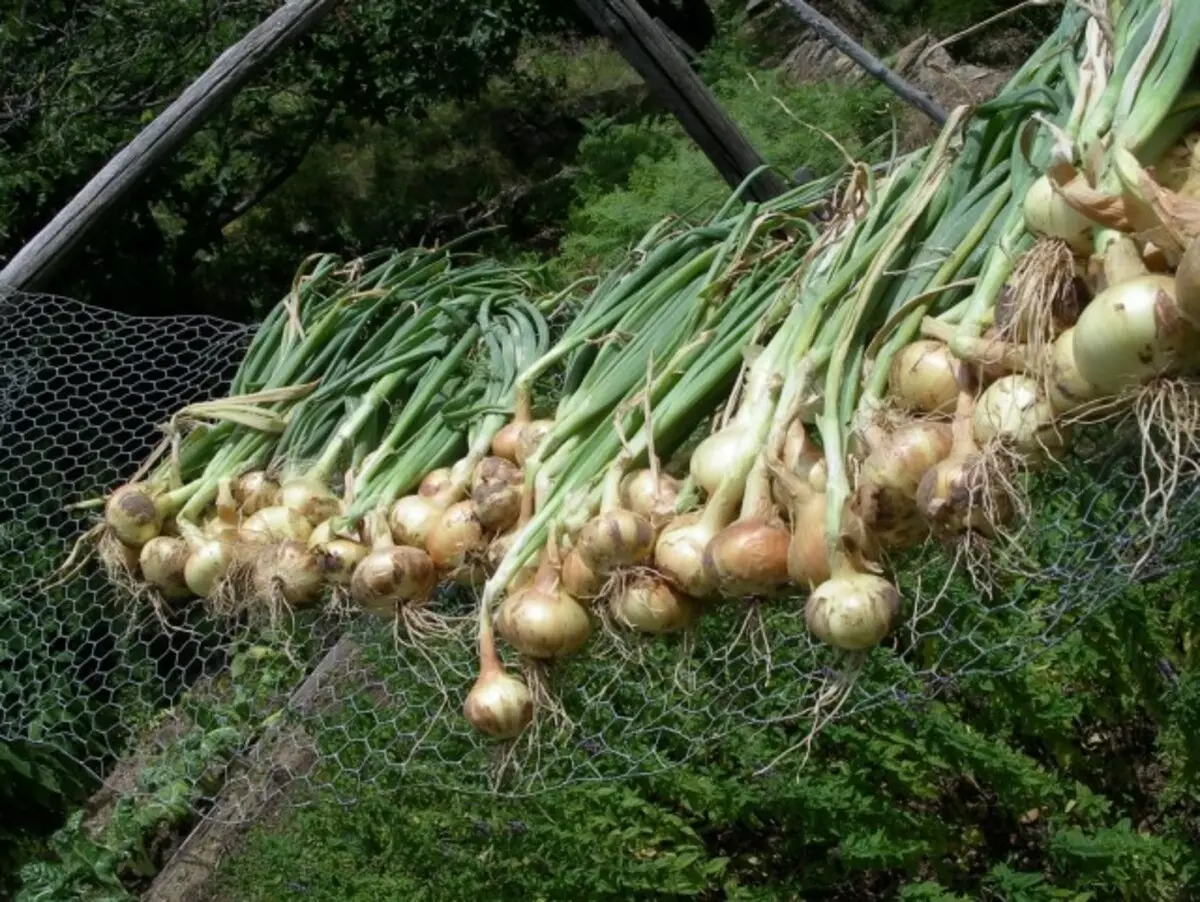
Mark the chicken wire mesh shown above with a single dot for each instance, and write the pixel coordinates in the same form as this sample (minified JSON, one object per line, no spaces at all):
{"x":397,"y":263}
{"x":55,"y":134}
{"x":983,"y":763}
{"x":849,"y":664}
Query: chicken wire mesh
{"x":221,"y":718}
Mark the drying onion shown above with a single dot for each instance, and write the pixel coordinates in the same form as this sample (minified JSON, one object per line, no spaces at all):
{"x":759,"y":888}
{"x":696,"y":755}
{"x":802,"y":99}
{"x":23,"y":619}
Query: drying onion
{"x":649,"y":604}
{"x":714,"y":457}
{"x":255,"y":490}
{"x":679,"y":554}
{"x":497,"y":503}
{"x":495,"y":469}
{"x":163,"y":561}
{"x":618,"y":538}
{"x":207,"y":565}
{"x":132,"y":515}
{"x":580,"y":580}
{"x":391,"y":575}
{"x":748,"y":557}
{"x":1014,"y":411}
{"x":886,"y":495}
{"x":1132,"y":332}
{"x":339,"y":559}
{"x":273,"y":523}
{"x":922,"y":377}
{"x":651,"y":498}
{"x":1047,"y":213}
{"x":531,"y":436}
{"x":1066,"y":388}
{"x":499,"y":705}
{"x":852,"y":611}
{"x":435,"y":482}
{"x":289,"y":570}
{"x":411,"y":518}
{"x":542,"y":620}
{"x":310,"y":498}
{"x":455,"y":536}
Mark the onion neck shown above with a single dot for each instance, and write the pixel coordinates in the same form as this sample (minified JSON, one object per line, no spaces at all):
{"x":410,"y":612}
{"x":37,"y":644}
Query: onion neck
{"x":963,"y":434}
{"x":377,"y":531}
{"x":1122,"y":261}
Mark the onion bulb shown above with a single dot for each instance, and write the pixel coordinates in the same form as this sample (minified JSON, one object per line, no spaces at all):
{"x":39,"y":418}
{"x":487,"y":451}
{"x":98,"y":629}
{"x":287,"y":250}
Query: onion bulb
{"x":958,"y":493}
{"x":1132,"y":332}
{"x":255,"y":490}
{"x":748,"y":557}
{"x":495,"y":469}
{"x":290,"y":569}
{"x":411,"y":518}
{"x":802,"y":457}
{"x":435,"y":482}
{"x":1047,"y":213}
{"x":1014,"y":411}
{"x":640,"y":494}
{"x":618,"y":538}
{"x":1067,"y":389}
{"x":163,"y":560}
{"x":339,"y":559}
{"x":542,"y":620}
{"x":580,"y":580}
{"x":679,"y":554}
{"x":852,"y":611}
{"x":649,"y":604}
{"x":531,"y":436}
{"x":133,"y":515}
{"x":207,"y":565}
{"x":392,"y":575}
{"x":273,"y":523}
{"x":886,"y":495}
{"x":310,"y":498}
{"x":455,"y":536}
{"x":922,"y":377}
{"x":497,"y":503}
{"x":714,"y":457}
{"x":498,"y":705}
{"x":808,"y":552}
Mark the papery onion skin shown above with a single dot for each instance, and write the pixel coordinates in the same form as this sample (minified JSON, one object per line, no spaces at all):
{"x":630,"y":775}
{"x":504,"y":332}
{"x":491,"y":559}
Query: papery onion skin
{"x":497,"y":504}
{"x":748,"y":557}
{"x":1014,"y":411}
{"x":618,"y":538}
{"x":1047,"y":213}
{"x":808,"y":551}
{"x":496,"y":469}
{"x":455,"y":536}
{"x":290,"y":569}
{"x":885,"y":497}
{"x":506,"y":439}
{"x":411,"y":518}
{"x":435,"y":482}
{"x":532,"y":434}
{"x":339,"y":559}
{"x":163,"y":560}
{"x":1067,"y":389}
{"x":679,"y":555}
{"x":388,"y":577}
{"x":959,"y":494}
{"x":580,"y":580}
{"x":922,"y":377}
{"x":650,"y":605}
{"x":853,"y":611}
{"x":1132,"y":332}
{"x":206,"y":566}
{"x":543,"y":623}
{"x":132,"y":515}
{"x":311,"y":499}
{"x":274,"y":523}
{"x":255,"y":490}
{"x":499,"y":705}
{"x":712,"y":459}
{"x":640,"y":494}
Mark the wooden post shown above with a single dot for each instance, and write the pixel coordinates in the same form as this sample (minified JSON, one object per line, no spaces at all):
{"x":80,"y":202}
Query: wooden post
{"x":38,"y":260}
{"x":904,"y":90}
{"x":680,"y":90}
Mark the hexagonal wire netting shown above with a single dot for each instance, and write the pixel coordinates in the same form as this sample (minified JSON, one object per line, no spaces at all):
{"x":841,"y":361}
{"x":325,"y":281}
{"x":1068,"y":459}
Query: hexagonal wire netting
{"x":344,"y":701}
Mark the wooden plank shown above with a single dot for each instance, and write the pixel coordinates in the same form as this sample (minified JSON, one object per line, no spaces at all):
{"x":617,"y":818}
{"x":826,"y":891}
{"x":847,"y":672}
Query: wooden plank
{"x":38,"y":260}
{"x":668,"y":75}
{"x":280,"y":757}
{"x":906,"y":91}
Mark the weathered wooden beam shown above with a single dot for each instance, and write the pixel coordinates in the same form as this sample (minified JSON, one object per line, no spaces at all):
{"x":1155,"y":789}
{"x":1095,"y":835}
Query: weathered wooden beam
{"x":668,"y":75}
{"x":906,"y":91}
{"x":38,"y":259}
